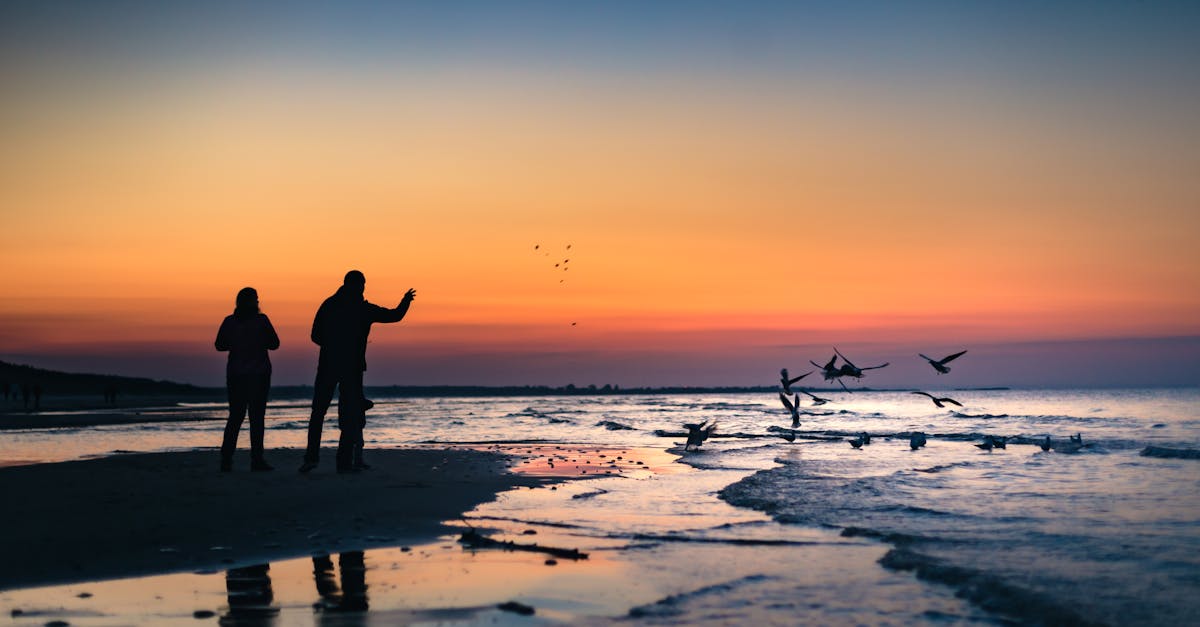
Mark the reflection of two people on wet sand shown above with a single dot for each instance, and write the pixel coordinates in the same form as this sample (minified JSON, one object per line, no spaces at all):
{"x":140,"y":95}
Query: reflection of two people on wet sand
{"x":251,"y":598}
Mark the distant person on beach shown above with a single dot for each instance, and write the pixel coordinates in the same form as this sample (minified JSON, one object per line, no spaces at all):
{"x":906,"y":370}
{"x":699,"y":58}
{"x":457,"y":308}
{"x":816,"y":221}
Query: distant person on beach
{"x":247,"y":334}
{"x":110,"y":394}
{"x":340,"y":328}
{"x":37,"y":397}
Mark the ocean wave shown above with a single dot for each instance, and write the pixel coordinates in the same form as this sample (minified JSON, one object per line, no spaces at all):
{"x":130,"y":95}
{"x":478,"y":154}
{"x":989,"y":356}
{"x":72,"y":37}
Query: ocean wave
{"x":673,"y":605}
{"x":614,"y":426}
{"x":985,"y":590}
{"x":746,"y":406}
{"x":939,"y":468}
{"x":291,"y":425}
{"x":528,"y":412}
{"x":1170,"y":453}
{"x":959,"y":414}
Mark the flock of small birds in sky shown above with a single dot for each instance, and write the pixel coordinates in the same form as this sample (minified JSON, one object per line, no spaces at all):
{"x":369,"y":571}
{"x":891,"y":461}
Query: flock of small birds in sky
{"x":562,"y":265}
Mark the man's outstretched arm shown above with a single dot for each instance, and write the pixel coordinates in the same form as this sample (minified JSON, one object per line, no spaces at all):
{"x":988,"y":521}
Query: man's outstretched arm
{"x":381,"y":314}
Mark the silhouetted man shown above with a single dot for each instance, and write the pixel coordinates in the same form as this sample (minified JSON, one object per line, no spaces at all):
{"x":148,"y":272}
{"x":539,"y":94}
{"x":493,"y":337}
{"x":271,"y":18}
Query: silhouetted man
{"x":340,"y":329}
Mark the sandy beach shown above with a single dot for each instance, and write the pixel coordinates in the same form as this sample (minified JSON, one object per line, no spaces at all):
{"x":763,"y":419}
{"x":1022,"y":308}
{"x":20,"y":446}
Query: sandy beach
{"x":162,"y":512}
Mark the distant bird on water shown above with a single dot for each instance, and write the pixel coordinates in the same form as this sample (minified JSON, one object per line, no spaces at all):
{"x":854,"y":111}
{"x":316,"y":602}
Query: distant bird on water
{"x":787,"y":382}
{"x":816,"y":400}
{"x":940,"y":364}
{"x":792,"y":406}
{"x":1074,"y":444}
{"x":856,"y":442}
{"x":940,"y":402}
{"x":790,"y":436}
{"x":992,"y":441}
{"x":698,"y":433}
{"x":916,"y":440}
{"x":1047,"y":444}
{"x":865,"y":437}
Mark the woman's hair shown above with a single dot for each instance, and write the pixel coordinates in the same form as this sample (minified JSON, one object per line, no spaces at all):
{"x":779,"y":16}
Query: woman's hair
{"x":247,"y":302}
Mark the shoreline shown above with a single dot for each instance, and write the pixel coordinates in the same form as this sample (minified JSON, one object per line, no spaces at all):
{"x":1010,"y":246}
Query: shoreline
{"x":155,"y":513}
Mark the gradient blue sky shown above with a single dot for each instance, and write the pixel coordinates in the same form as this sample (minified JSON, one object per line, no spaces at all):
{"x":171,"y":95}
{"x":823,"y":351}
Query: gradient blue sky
{"x":749,"y":184}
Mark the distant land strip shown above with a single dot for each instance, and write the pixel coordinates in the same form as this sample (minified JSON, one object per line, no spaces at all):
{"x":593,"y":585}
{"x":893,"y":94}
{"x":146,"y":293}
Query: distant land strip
{"x":59,"y":384}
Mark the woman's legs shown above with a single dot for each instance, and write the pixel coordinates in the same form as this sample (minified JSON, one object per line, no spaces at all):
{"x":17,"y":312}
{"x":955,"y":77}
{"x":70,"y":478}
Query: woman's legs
{"x":259,"y":387}
{"x":238,"y":401}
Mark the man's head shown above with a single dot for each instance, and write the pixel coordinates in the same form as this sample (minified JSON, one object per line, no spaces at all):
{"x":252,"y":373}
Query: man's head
{"x":356,"y":281}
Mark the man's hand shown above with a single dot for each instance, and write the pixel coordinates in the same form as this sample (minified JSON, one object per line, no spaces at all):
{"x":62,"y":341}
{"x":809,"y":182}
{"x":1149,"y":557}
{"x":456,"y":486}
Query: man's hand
{"x":409,"y":296}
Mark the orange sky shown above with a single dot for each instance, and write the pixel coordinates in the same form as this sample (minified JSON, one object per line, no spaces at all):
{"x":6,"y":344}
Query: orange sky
{"x":135,"y":204}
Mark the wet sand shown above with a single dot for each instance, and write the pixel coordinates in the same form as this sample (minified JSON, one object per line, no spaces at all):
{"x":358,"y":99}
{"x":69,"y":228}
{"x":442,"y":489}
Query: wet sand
{"x":116,"y":541}
{"x":163,"y":512}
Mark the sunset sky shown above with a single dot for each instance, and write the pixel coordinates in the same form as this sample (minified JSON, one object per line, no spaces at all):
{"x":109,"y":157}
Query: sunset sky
{"x":743,"y":186}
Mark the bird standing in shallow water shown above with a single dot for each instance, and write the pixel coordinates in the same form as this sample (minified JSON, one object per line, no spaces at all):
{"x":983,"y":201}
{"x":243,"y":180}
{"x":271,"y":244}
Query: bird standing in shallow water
{"x":1047,"y":444}
{"x":856,"y":442}
{"x":993,"y":441}
{"x":916,"y":440}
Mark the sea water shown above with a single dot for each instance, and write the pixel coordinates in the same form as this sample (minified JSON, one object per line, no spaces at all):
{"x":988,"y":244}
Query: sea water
{"x":752,"y":527}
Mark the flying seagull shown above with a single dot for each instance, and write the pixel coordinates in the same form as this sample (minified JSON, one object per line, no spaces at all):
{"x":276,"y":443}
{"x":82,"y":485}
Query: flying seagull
{"x":792,"y":406}
{"x":940,"y":402}
{"x":829,"y":370}
{"x":787,"y":382}
{"x":940,"y":364}
{"x":816,"y":400}
{"x":850,"y":370}
{"x":698,"y":433}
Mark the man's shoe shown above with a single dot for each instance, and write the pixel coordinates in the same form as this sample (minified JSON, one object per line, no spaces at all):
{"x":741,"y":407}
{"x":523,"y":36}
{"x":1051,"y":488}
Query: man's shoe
{"x":362,"y":466}
{"x":308,"y":466}
{"x":261,"y":466}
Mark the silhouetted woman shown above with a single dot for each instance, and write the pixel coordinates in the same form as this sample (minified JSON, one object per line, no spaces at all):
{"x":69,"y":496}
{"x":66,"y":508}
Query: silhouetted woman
{"x":247,"y":334}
